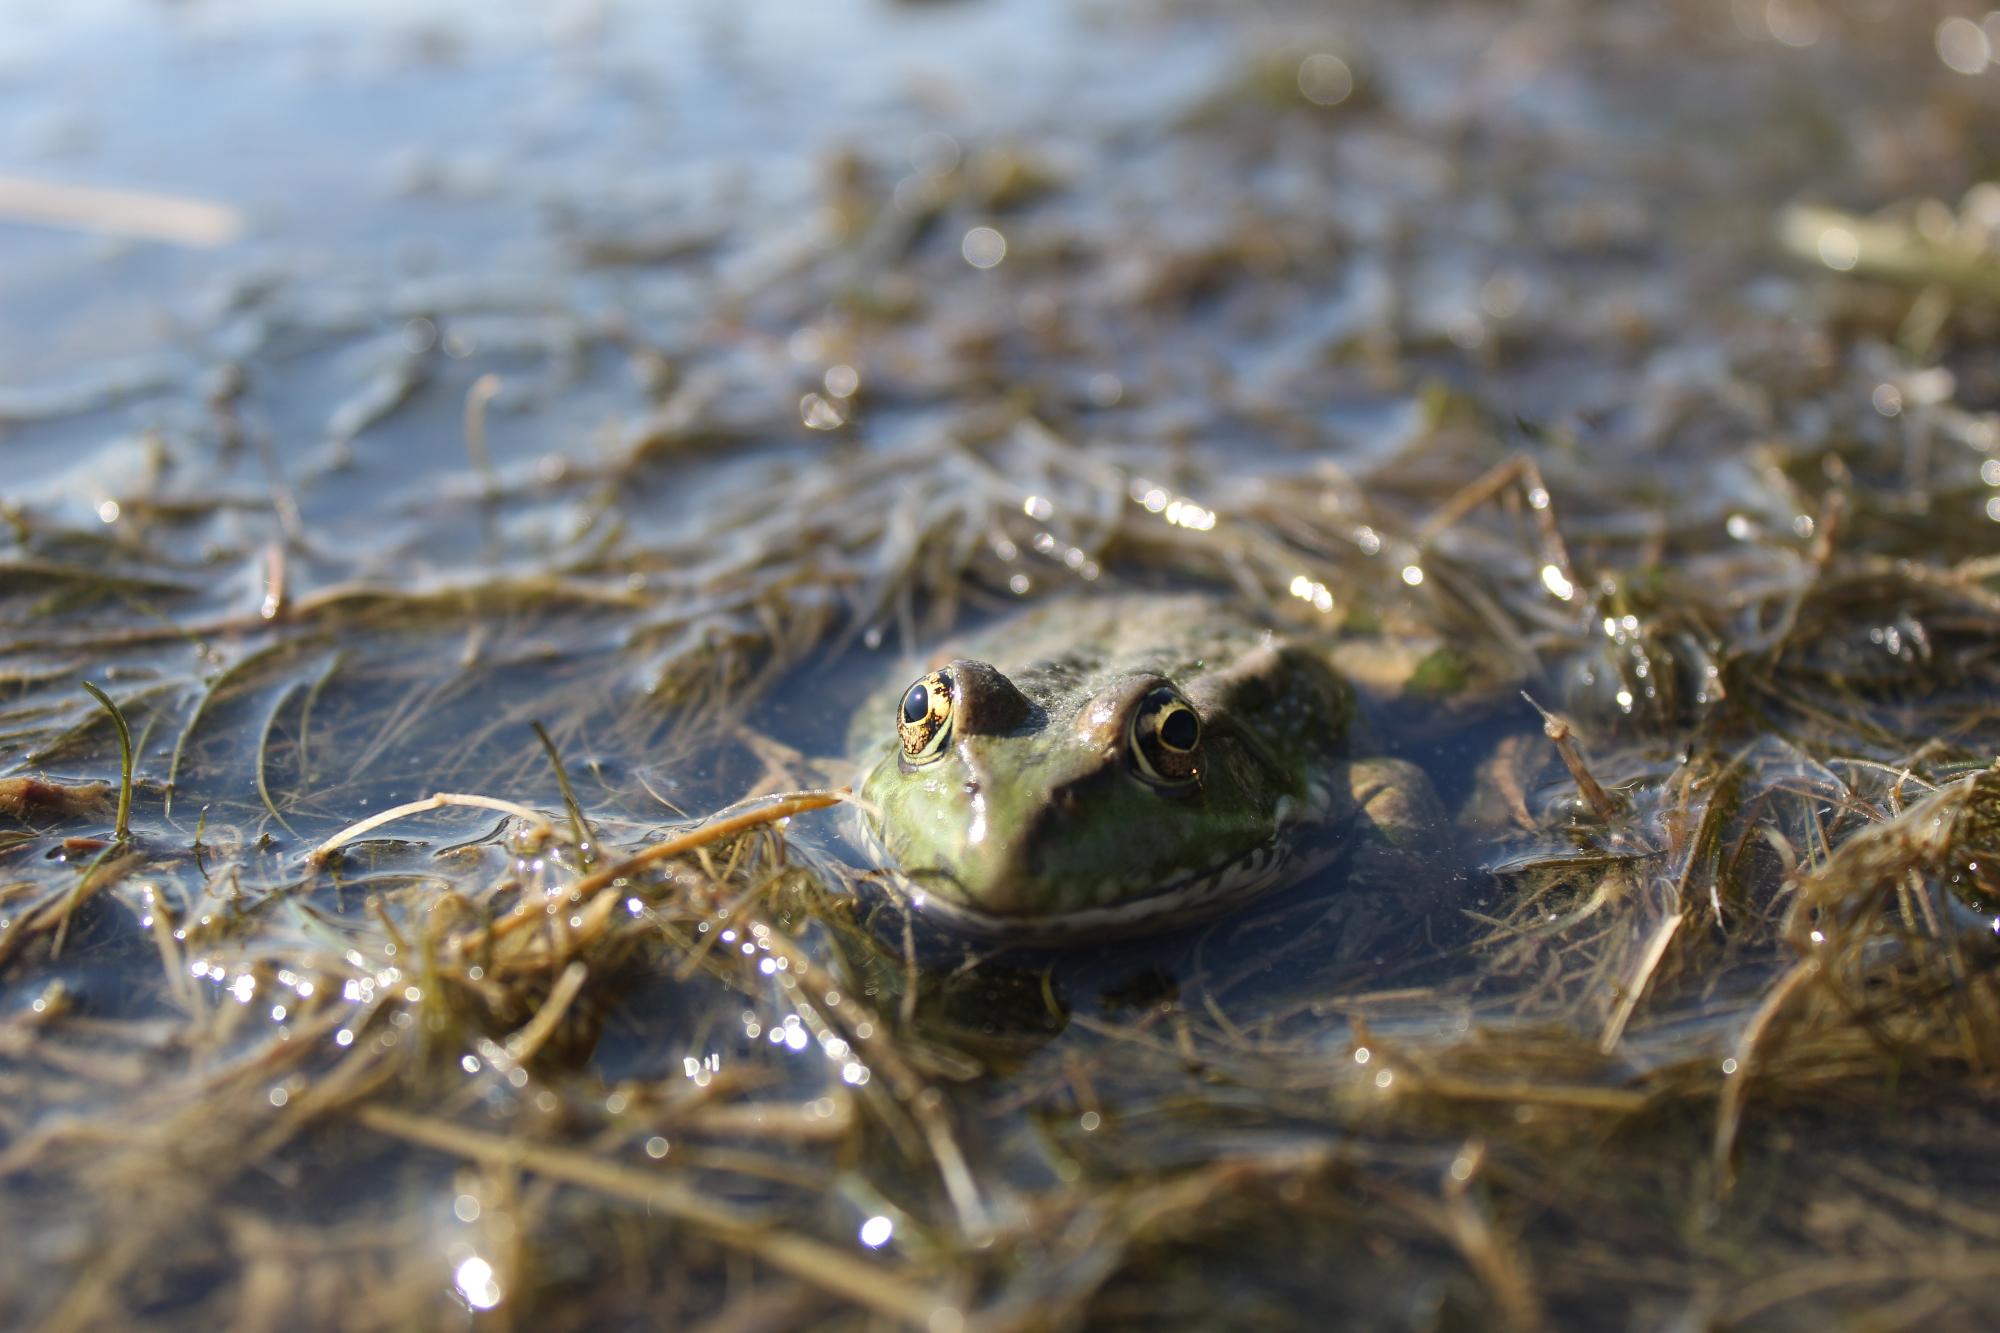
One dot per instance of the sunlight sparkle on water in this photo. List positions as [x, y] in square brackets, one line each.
[1793, 22]
[1964, 46]
[819, 413]
[474, 1280]
[1838, 249]
[983, 247]
[1325, 79]
[1311, 590]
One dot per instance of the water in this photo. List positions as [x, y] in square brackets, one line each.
[670, 377]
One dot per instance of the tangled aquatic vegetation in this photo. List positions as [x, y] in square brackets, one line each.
[1763, 937]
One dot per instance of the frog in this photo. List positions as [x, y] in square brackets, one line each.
[1126, 763]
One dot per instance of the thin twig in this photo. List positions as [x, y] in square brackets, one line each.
[780, 808]
[523, 1044]
[1558, 730]
[441, 800]
[482, 392]
[584, 842]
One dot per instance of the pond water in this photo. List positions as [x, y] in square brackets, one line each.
[583, 413]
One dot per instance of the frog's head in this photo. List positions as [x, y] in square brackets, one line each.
[1043, 800]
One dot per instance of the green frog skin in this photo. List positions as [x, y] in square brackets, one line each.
[1126, 763]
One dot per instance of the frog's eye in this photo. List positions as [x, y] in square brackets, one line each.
[1166, 734]
[924, 721]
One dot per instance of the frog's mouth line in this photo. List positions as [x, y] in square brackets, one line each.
[1294, 853]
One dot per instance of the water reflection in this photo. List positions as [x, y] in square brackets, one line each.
[477, 1283]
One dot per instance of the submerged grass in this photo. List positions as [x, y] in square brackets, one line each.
[1704, 941]
[123, 828]
[1709, 947]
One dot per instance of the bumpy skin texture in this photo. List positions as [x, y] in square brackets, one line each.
[1034, 810]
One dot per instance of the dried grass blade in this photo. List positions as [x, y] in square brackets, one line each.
[438, 801]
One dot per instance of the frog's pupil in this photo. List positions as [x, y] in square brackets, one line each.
[1179, 730]
[916, 704]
